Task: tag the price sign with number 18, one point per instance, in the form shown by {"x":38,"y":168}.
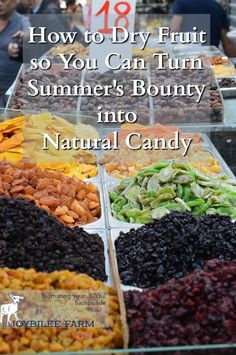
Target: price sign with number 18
{"x":107,"y":14}
{"x":118,"y":12}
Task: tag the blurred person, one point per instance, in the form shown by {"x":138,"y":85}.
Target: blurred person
{"x":71,"y":6}
{"x":12,"y":25}
{"x":47,"y":7}
{"x":219,"y":24}
{"x":25,"y":7}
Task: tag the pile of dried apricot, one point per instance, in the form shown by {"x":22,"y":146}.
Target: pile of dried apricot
{"x":73,"y":201}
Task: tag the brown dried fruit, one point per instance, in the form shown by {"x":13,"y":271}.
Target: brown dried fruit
{"x":53,"y":191}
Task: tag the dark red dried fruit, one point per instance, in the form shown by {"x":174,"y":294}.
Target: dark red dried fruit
{"x":197,"y":309}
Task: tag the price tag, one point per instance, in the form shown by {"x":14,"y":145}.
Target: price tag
{"x":113,"y":13}
{"x":107,"y":15}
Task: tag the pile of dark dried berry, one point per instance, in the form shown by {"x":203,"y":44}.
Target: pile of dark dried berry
{"x":30,"y":238}
{"x":173,"y":247}
{"x":197,"y":309}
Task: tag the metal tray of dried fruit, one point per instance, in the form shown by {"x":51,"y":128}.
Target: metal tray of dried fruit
{"x":110,"y":184}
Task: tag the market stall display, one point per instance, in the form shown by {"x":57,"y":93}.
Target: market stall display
{"x":139,"y":254}
{"x":158,"y":222}
{"x":15,"y":340}
{"x":186,"y":199}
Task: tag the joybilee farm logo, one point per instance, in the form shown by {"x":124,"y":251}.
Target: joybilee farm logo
{"x":54,"y":309}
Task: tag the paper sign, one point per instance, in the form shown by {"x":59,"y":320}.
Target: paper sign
{"x":114,"y":19}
